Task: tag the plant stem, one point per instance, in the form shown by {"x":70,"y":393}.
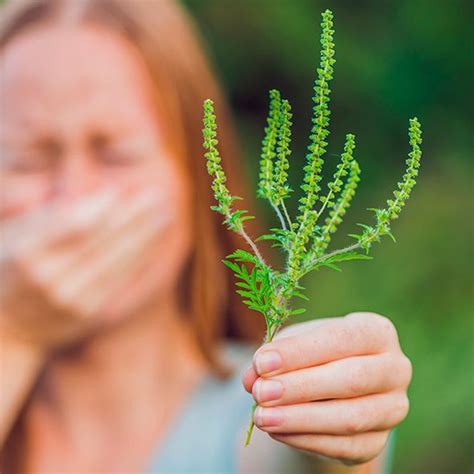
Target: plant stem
{"x":251,"y":425}
{"x":268,"y":338}
{"x":285,"y":211}
{"x":252,"y":245}
{"x":278,"y":213}
{"x":337,"y":252}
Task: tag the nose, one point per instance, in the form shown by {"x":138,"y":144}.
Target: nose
{"x":75,"y":177}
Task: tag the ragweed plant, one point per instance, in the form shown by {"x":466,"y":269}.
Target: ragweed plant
{"x":305,"y":239}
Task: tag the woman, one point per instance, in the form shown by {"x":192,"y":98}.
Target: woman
{"x":118,"y":325}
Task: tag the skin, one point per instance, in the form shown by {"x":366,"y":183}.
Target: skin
{"x":96,"y":295}
{"x":334,"y":387}
{"x":95,"y":220}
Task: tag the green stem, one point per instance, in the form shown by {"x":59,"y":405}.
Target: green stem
{"x":268,"y":338}
{"x":251,"y":425}
{"x":252,"y":244}
{"x":280,"y":216}
{"x":285,"y":211}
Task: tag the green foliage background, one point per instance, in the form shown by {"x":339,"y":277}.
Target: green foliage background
{"x":394,"y":60}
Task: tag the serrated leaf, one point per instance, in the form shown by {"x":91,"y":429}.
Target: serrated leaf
{"x":246,"y":294}
{"x":254,"y":278}
{"x":332,"y":266}
{"x":243,"y":256}
{"x":231,"y":265}
{"x":267,"y":237}
{"x":294,"y":312}
{"x":392,"y":236}
{"x":343,"y":257}
{"x":301,"y":295}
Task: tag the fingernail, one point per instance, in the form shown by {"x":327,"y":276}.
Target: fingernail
{"x":267,"y":361}
{"x":267,"y":390}
{"x":265,"y":417}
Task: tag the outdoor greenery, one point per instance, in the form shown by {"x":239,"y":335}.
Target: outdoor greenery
{"x":393,"y":58}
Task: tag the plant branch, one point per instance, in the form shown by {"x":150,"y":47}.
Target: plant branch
{"x":285,"y":211}
{"x":280,"y":216}
{"x":252,"y":244}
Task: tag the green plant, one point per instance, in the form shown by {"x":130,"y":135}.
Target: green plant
{"x":305,"y":239}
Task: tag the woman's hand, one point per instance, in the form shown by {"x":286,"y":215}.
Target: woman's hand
{"x":62,"y":263}
{"x":334,"y":387}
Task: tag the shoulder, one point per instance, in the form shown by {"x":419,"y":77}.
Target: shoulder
{"x":237,"y":354}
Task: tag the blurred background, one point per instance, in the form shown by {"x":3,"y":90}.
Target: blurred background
{"x":395,"y":60}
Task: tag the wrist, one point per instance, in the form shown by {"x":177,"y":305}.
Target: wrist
{"x":20,"y":363}
{"x":11,"y":340}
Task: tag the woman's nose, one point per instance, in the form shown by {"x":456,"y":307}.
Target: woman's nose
{"x":75,"y":177}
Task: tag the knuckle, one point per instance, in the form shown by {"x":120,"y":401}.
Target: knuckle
{"x":363,"y":316}
{"x":371,"y":318}
{"x":358,"y":379}
{"x":407,"y":369}
{"x":399,"y":369}
{"x":341,"y":335}
{"x":366,"y":447}
{"x":384,"y":322}
{"x":385,"y":327}
{"x":300,"y":389}
{"x":402,"y":407}
{"x":349,"y":450}
{"x":360,"y":449}
{"x":356,"y":421}
{"x":380,"y":442}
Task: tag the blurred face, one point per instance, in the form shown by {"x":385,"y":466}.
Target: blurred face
{"x":77,"y":116}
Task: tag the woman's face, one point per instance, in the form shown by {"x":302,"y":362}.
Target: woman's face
{"x":77,"y":116}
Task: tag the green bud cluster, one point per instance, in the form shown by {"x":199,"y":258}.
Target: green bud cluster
{"x":281,"y":189}
{"x":401,"y":195}
{"x":265,"y":184}
{"x":320,"y":121}
{"x":274,"y":163}
{"x":233,"y":218}
{"x":214,"y":167}
{"x":340,"y":207}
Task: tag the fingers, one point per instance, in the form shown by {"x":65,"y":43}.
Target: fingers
{"x":108,"y":224}
{"x":248,"y":378}
{"x":78,"y":272}
{"x":335,"y":417}
{"x":354,"y":449}
{"x":334,"y":339}
{"x":299,"y":328}
{"x":96,"y":275}
{"x":114,"y":270}
{"x":345,"y":378}
{"x":30,"y":232}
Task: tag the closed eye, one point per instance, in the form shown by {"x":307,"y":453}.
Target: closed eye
{"x":33,"y":159}
{"x":115,"y":156}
